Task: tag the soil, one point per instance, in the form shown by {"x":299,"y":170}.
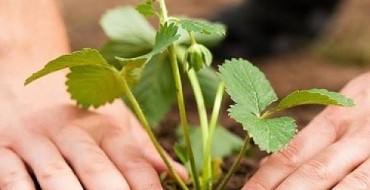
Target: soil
{"x":318,"y":65}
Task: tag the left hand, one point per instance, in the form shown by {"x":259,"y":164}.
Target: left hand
{"x":332,"y":152}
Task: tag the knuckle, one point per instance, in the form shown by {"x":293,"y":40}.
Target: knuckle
{"x":114,"y":131}
{"x":316,"y":170}
{"x":290,"y":157}
{"x":12,"y":180}
{"x":33,"y":127}
{"x":136,"y":164}
{"x":96,"y":164}
{"x":333,"y":124}
{"x":54,"y":170}
{"x":357,"y":180}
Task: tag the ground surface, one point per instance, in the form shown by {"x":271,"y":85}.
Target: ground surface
{"x":340,"y":55}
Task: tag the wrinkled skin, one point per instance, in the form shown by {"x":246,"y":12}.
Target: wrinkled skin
{"x":332,"y":152}
{"x":42,"y":131}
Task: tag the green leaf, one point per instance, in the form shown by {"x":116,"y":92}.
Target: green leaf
{"x":94,"y":85}
{"x":91,"y":82}
{"x":114,"y":48}
{"x":197,"y":56}
{"x":125,"y":24}
{"x":84,"y":57}
{"x":225,"y":143}
{"x":313,"y":96}
{"x":270,"y":135}
{"x":146,"y":9}
{"x":209,"y":40}
{"x":180,"y":152}
{"x":246,"y":84}
{"x":132,"y":69}
{"x":209,"y":82}
{"x":131,"y":35}
{"x":202,"y":26}
{"x":166,"y":36}
{"x":156,"y":89}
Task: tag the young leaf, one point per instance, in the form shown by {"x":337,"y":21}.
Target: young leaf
{"x":166,"y":36}
{"x":225,"y":143}
{"x":91,"y":82}
{"x":156,"y":90}
{"x":209,"y":82}
{"x":114,"y":48}
{"x":208,"y":40}
{"x":131,"y":34}
{"x":197,"y":56}
{"x":125,"y":24}
{"x":146,"y":9}
{"x":202,"y":26}
{"x":313,"y":96}
{"x":132,"y":69}
{"x":93,"y":85}
{"x":84,"y":57}
{"x":270,"y":135}
{"x":180,"y":152}
{"x":246,"y":84}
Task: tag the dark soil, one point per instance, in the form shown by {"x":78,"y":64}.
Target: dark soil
{"x":315,"y":66}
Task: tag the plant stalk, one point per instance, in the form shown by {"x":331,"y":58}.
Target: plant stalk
{"x":183,"y":117}
{"x":136,"y":107}
{"x":163,"y":11}
{"x":180,"y":100}
{"x":212,"y":127}
{"x":192,"y":38}
{"x":235,"y":164}
{"x":207,"y":164}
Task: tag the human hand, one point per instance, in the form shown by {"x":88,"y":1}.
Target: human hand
{"x":67,"y":147}
{"x":43,"y":132}
{"x":332,"y":152}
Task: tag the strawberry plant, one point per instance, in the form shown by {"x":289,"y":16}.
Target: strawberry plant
{"x":147,"y":68}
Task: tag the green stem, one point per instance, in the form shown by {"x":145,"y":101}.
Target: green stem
{"x":212,"y":127}
{"x":207,"y":173}
{"x":235,"y":164}
{"x":272,"y":111}
{"x":183,"y":117}
{"x":192,"y":38}
{"x":180,"y":100}
{"x":163,"y":11}
{"x":145,"y":124}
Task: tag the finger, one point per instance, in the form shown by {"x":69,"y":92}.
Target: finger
{"x":91,"y":164}
{"x":151,"y":153}
{"x":50,"y":168}
{"x":13,"y":173}
{"x":128,"y":157}
{"x":130,"y":125}
{"x":320,"y":133}
{"x":358,"y":179}
{"x":263,"y":160}
{"x":329,"y":167}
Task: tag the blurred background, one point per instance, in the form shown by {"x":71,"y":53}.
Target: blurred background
{"x":82,"y":16}
{"x":338,"y":52}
